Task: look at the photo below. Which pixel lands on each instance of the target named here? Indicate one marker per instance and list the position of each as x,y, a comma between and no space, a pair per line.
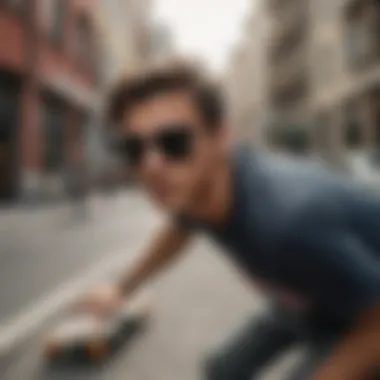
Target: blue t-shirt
303,229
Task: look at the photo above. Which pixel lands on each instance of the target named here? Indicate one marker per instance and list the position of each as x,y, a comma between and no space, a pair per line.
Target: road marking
19,328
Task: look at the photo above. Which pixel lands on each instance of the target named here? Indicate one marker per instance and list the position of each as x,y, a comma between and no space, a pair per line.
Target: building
122,31
325,72
346,76
124,27
129,40
246,77
322,75
288,66
48,85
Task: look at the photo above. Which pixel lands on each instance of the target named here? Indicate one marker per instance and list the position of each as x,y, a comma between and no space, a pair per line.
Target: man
308,237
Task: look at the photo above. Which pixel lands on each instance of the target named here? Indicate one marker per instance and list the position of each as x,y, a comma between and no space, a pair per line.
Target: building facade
120,24
346,76
124,27
312,75
246,79
127,36
288,60
324,62
48,85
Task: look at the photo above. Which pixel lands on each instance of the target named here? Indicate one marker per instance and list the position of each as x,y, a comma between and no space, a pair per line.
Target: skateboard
85,337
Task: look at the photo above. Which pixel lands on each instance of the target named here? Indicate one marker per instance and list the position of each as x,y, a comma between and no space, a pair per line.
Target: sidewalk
19,217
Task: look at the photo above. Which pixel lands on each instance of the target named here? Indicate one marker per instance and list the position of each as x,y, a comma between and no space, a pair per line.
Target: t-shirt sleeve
334,268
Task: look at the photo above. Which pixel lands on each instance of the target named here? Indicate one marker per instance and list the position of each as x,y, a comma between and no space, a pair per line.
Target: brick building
48,80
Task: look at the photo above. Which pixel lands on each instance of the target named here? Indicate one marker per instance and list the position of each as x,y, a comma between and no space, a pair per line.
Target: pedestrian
310,238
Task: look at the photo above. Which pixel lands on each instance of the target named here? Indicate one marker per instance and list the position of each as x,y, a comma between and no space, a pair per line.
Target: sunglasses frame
155,142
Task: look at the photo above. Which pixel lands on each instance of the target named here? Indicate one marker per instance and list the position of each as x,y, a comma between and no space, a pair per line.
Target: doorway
9,126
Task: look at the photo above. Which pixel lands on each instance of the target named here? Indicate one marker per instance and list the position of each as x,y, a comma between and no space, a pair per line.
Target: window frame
361,47
53,120
58,11
21,9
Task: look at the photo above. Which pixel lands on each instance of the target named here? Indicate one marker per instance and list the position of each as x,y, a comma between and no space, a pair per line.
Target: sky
204,28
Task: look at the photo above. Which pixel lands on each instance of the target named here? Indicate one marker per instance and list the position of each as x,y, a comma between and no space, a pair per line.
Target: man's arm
162,250
341,275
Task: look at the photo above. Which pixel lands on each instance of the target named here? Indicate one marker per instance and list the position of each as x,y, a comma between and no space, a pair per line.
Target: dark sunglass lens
132,150
176,143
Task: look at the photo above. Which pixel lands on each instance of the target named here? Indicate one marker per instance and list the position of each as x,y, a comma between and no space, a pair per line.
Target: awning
71,90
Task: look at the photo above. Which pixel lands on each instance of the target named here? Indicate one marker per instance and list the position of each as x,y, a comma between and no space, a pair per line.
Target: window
325,60
323,125
357,44
352,135
17,5
9,111
108,67
325,10
296,138
53,120
84,42
361,37
57,20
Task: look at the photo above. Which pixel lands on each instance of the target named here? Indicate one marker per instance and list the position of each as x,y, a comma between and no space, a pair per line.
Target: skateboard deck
82,336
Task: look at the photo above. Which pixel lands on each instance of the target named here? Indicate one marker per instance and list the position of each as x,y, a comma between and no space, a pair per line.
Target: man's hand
162,250
102,301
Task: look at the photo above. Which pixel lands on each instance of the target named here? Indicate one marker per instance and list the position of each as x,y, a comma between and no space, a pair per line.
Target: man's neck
215,202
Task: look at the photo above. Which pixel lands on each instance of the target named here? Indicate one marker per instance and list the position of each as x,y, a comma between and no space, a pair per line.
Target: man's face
171,152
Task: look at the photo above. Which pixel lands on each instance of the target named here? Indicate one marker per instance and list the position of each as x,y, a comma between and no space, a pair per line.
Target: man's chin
169,202
172,204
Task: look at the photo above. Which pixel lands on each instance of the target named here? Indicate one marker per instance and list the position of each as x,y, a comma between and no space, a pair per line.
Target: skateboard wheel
97,350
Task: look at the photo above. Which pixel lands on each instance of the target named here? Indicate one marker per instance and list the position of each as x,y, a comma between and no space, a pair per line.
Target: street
40,250
195,305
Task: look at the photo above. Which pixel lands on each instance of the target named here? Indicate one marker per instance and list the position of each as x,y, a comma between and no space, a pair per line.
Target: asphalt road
195,304
42,249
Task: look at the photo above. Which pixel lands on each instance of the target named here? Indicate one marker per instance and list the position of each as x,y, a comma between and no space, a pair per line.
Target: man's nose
153,161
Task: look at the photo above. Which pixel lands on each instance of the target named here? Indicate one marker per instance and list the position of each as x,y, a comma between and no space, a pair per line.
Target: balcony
290,83
362,34
294,65
289,30
278,6
290,94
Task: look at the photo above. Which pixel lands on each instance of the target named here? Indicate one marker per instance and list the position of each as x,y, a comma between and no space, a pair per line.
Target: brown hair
185,77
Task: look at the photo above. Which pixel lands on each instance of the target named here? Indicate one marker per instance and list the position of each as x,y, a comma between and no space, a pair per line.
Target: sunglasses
174,142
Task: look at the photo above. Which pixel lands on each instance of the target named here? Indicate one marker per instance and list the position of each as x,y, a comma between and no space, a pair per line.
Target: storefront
64,110
9,123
